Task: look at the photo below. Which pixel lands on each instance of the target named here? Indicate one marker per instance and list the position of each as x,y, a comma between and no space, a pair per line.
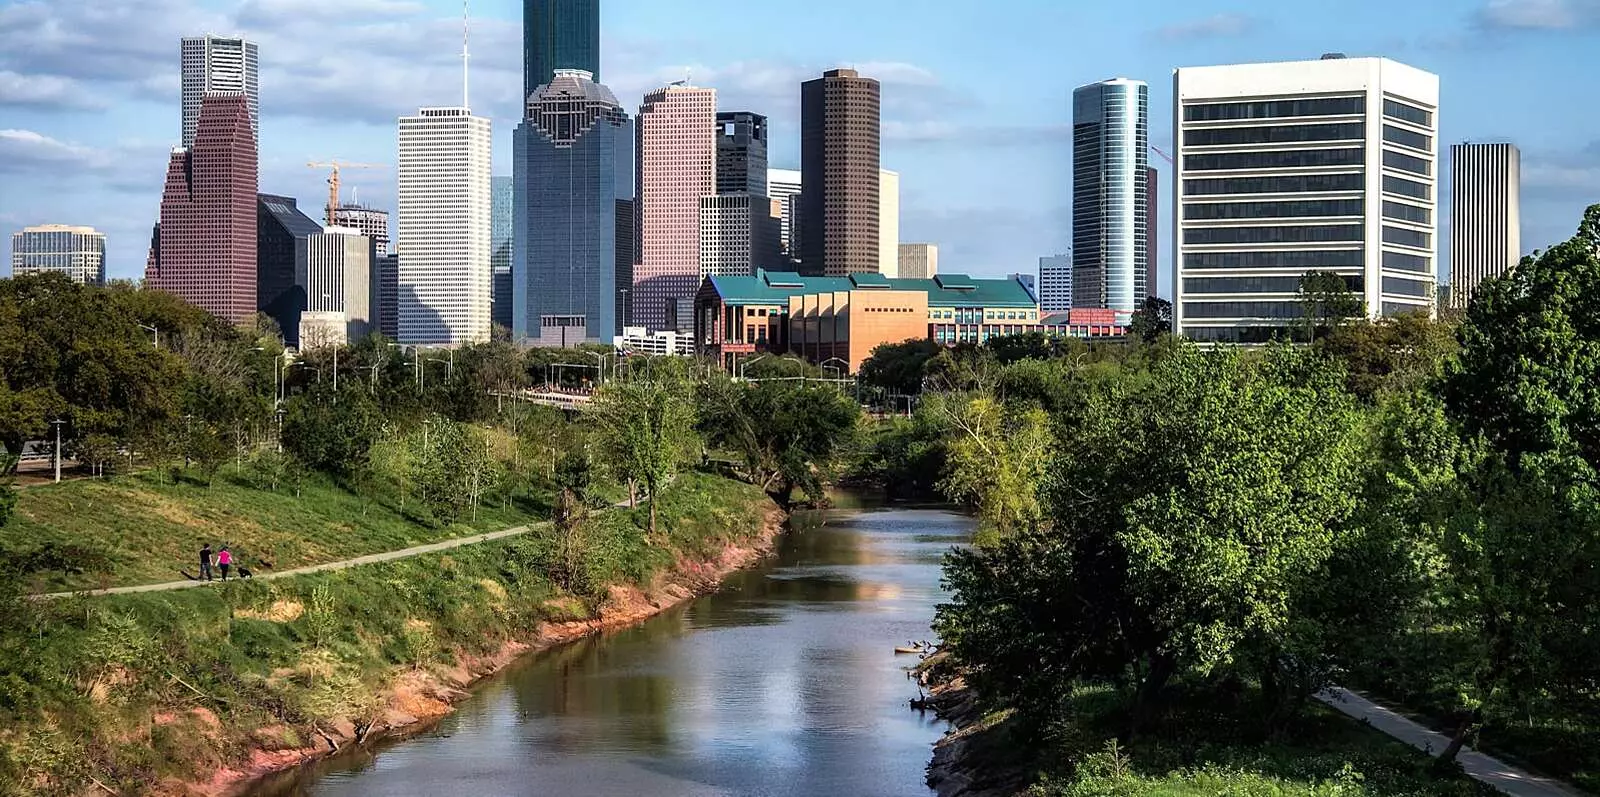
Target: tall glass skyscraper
1110,195
573,163
559,34
500,226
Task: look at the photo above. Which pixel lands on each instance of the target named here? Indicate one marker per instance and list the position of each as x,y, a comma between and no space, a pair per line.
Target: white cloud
24,150
44,91
1540,14
1216,26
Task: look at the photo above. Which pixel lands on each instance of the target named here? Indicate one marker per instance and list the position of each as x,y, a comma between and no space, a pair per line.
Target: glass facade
559,34
79,253
573,164
500,232
1110,195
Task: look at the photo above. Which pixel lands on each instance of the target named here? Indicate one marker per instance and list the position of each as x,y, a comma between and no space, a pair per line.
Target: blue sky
976,95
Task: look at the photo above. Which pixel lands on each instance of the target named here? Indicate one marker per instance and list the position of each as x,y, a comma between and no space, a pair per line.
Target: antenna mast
466,55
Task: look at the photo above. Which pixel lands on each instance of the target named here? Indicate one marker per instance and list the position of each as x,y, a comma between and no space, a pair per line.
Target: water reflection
784,683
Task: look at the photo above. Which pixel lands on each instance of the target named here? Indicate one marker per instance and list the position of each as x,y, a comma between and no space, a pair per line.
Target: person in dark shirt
205,562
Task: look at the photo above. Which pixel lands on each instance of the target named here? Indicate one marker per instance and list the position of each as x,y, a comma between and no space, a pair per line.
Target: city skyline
971,159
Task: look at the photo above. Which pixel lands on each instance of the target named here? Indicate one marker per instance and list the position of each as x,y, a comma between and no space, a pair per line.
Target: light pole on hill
57,424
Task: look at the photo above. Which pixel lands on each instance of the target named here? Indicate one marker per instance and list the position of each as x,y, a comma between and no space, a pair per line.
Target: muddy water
783,683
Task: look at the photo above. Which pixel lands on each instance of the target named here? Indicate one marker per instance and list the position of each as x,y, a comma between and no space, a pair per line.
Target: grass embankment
149,529
146,693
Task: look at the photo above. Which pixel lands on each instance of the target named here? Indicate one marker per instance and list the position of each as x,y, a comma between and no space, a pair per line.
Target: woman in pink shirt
224,561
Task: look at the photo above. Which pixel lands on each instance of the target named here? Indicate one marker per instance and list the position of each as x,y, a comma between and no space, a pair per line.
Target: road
387,556
1480,767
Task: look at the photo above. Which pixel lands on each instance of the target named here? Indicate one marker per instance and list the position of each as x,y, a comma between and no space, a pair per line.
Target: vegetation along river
783,683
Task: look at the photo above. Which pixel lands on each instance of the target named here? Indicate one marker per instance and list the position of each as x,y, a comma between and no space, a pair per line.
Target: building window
1271,109
1407,113
1273,235
1404,287
1404,187
1256,284
1392,309
1231,136
1243,310
1289,184
1405,262
1407,163
1404,237
1403,212
1238,334
1407,138
1209,211
1289,159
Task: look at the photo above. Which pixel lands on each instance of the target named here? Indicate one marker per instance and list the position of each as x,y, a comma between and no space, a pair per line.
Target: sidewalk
1480,767
387,556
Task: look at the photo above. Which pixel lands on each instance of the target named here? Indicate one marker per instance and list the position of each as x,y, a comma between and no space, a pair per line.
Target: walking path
1483,768
387,556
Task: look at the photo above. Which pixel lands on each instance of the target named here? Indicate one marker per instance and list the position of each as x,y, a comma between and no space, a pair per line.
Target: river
782,683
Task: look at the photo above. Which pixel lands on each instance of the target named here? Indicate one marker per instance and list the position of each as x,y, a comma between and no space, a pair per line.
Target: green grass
148,530
123,689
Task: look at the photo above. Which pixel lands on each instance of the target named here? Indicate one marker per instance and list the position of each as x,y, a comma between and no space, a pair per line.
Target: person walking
205,562
224,561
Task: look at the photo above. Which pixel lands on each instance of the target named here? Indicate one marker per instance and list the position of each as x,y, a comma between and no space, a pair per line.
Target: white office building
738,235
1055,284
888,223
783,185
77,252
444,228
335,269
1290,168
1485,215
213,64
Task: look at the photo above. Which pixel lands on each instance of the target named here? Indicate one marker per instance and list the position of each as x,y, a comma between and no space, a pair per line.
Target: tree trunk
652,517
1145,707
1468,724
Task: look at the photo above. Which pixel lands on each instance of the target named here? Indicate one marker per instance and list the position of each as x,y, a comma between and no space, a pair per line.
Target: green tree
644,430
995,459
332,432
1391,355
898,368
1152,320
1326,301
788,435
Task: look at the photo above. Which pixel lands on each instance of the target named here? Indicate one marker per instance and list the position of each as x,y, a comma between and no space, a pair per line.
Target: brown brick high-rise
839,162
206,252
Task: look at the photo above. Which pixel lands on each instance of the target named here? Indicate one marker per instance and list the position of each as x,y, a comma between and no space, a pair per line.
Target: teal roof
944,290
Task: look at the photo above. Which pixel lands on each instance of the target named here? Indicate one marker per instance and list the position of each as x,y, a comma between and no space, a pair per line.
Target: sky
976,96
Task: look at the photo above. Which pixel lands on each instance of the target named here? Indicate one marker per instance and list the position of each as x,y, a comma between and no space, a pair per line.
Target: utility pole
335,374
57,424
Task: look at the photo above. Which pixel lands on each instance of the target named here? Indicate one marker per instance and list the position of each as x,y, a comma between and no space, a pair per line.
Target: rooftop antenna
466,55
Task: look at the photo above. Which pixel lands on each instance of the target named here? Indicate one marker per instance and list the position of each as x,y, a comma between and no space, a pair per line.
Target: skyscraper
676,166
1485,215
1290,168
501,230
918,261
1152,279
738,234
206,247
573,174
79,253
888,223
219,64
444,277
1110,200
387,274
559,34
1055,283
333,267
371,222
839,164
784,186
741,153
279,226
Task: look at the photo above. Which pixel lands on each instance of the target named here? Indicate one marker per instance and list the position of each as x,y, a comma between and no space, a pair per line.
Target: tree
1327,301
332,432
644,430
1152,320
788,435
1391,355
898,368
995,459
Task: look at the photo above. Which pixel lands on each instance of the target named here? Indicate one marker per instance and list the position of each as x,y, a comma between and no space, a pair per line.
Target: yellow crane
333,180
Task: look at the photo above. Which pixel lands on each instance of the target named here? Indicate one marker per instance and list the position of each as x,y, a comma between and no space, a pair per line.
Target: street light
600,372
303,364
746,364
155,330
57,424
837,370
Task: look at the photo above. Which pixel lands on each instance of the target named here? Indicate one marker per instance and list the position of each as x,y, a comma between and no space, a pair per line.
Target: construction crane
333,180
1164,156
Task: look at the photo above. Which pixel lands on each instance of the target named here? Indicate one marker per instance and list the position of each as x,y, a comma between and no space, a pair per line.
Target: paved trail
387,556
1483,768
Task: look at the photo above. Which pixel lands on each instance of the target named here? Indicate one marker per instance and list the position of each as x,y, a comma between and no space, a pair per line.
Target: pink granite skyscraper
205,251
677,164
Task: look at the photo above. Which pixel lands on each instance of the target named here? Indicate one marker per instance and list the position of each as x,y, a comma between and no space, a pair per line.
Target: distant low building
79,253
918,261
334,270
638,340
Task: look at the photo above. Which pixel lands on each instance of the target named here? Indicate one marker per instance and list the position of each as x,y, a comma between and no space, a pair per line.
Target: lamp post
155,331
279,413
57,424
746,364
600,372
837,370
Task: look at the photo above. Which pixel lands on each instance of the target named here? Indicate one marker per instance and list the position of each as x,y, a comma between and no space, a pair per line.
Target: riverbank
204,692
976,758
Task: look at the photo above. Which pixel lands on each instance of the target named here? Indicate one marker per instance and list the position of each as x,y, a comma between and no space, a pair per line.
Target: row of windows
1289,184
890,309
1404,212
1404,237
1269,210
1407,138
1392,309
1274,235
1300,261
1407,113
1243,310
1293,159
1407,163
1258,284
1404,287
1405,262
1404,187
1271,109
1238,334
1227,136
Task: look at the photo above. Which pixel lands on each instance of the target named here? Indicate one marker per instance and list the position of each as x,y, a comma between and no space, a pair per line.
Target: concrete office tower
559,34
741,153
371,222
918,261
839,164
387,271
738,234
1152,279
1485,215
1110,195
279,226
676,166
501,230
573,170
783,185
1055,283
1290,168
79,253
444,227
206,245
888,223
219,65
333,268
